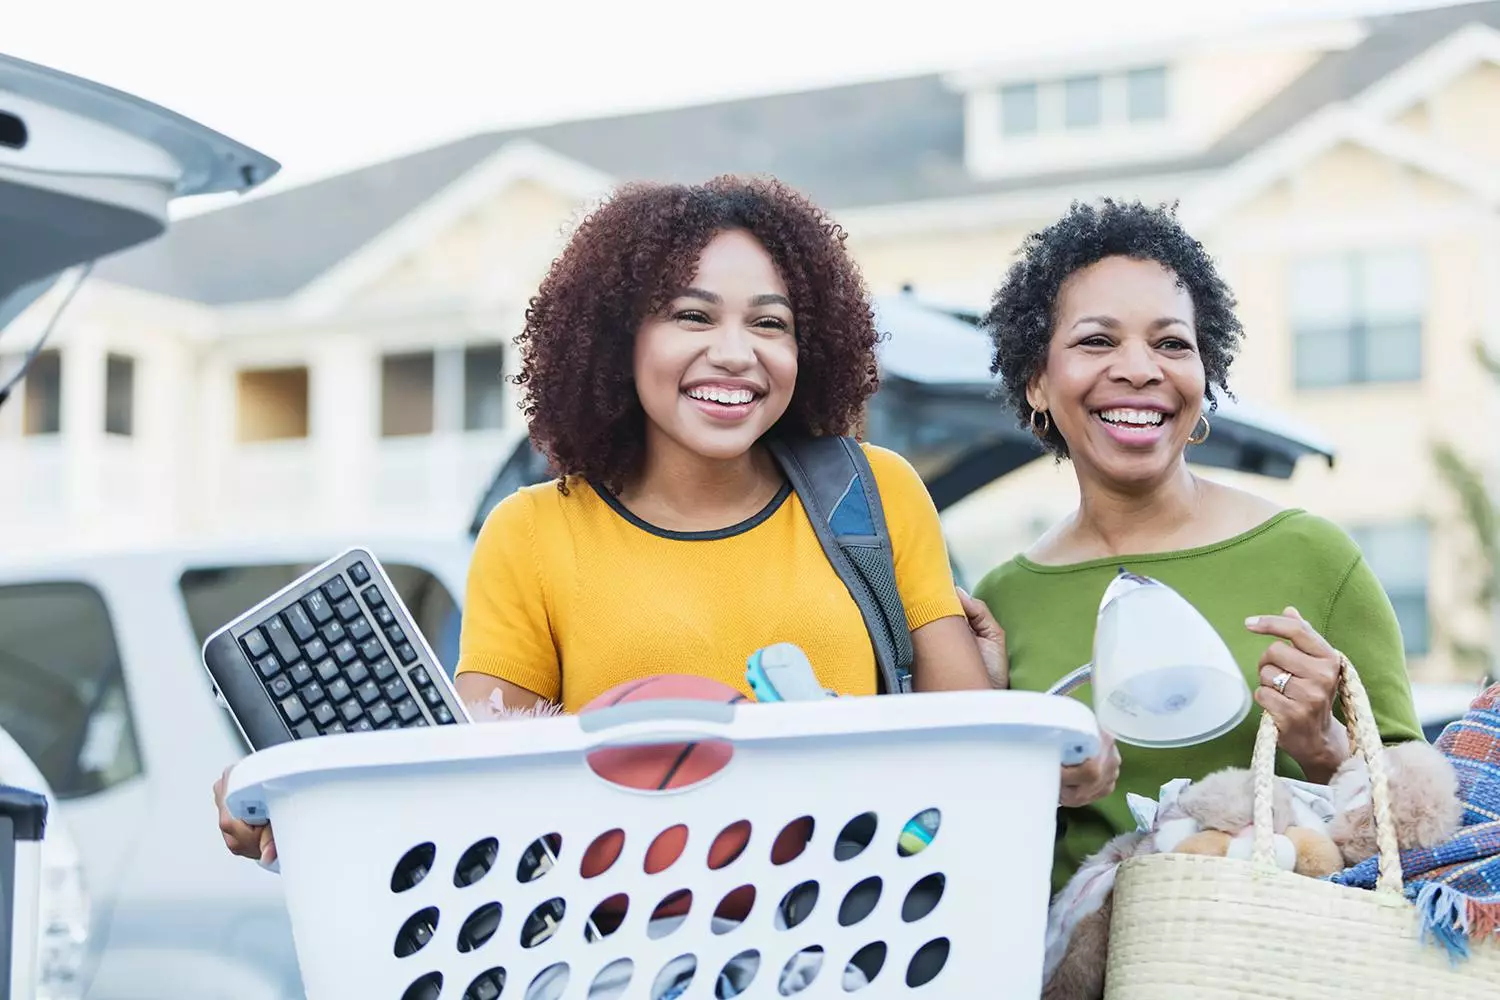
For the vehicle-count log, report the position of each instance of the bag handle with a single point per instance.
(1364, 740)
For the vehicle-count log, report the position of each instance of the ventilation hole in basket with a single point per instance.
(737, 975)
(539, 857)
(543, 922)
(675, 977)
(601, 855)
(923, 897)
(864, 965)
(919, 832)
(413, 867)
(607, 917)
(797, 905)
(734, 909)
(800, 970)
(480, 927)
(729, 845)
(476, 862)
(666, 849)
(428, 987)
(669, 913)
(927, 963)
(550, 982)
(612, 981)
(855, 837)
(860, 901)
(487, 985)
(416, 932)
(792, 841)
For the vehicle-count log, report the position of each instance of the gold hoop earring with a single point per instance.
(1040, 432)
(1200, 438)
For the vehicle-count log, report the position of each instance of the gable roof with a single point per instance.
(857, 145)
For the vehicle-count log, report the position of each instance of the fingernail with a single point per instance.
(1252, 621)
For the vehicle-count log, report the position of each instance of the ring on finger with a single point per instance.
(1280, 681)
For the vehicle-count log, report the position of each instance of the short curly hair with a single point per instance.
(626, 260)
(1021, 314)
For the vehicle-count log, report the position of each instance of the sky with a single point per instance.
(328, 85)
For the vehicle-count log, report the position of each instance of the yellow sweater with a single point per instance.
(570, 595)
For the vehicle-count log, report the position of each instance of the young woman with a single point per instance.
(1111, 330)
(682, 327)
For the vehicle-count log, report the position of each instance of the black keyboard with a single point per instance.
(335, 651)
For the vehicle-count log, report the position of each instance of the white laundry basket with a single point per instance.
(352, 811)
(23, 822)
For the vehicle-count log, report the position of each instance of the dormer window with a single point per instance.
(1146, 94)
(1083, 102)
(1087, 103)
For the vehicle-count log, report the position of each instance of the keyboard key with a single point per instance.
(280, 686)
(408, 710)
(326, 670)
(324, 714)
(407, 654)
(395, 634)
(344, 651)
(373, 597)
(313, 693)
(318, 607)
(369, 692)
(351, 710)
(304, 729)
(356, 672)
(339, 689)
(362, 726)
(255, 643)
(384, 669)
(432, 695)
(346, 609)
(336, 589)
(332, 632)
(372, 650)
(359, 574)
(419, 677)
(384, 616)
(336, 727)
(293, 709)
(281, 640)
(359, 629)
(393, 724)
(443, 716)
(301, 625)
(315, 650)
(395, 689)
(381, 713)
(300, 673)
(267, 666)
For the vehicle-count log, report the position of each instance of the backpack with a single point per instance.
(834, 481)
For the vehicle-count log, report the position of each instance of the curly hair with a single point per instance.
(625, 262)
(1021, 314)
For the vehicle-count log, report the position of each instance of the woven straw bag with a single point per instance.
(1211, 928)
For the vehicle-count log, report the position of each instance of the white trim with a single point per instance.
(517, 160)
(1316, 135)
(1428, 73)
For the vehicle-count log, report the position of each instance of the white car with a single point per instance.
(85, 171)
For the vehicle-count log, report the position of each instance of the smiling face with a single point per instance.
(716, 368)
(1124, 381)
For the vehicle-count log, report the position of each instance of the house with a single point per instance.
(331, 354)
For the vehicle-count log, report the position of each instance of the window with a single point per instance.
(272, 404)
(484, 390)
(1019, 112)
(62, 692)
(406, 394)
(214, 595)
(42, 390)
(1146, 94)
(1357, 317)
(1398, 555)
(1083, 102)
(119, 395)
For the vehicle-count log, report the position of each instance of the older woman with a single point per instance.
(1112, 329)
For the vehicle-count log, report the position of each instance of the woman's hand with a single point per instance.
(1094, 778)
(989, 637)
(1298, 682)
(242, 839)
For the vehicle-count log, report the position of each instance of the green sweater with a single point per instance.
(1295, 558)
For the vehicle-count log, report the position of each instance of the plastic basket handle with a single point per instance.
(1364, 739)
(641, 720)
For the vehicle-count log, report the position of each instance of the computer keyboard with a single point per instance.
(335, 651)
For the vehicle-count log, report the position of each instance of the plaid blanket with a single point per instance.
(1456, 885)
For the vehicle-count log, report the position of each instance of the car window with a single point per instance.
(62, 690)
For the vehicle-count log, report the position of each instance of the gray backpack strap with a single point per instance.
(834, 481)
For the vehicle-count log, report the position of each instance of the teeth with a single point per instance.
(729, 397)
(1149, 417)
